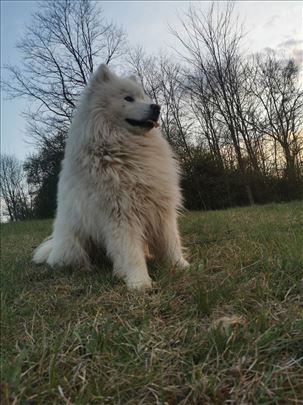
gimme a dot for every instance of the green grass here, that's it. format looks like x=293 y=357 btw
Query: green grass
x=229 y=330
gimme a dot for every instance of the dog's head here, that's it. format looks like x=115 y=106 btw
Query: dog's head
x=124 y=103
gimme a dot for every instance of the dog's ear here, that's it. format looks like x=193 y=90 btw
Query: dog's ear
x=133 y=78
x=103 y=73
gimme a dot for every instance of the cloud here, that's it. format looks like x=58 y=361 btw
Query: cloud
x=297 y=54
x=293 y=49
x=268 y=49
x=271 y=21
x=290 y=43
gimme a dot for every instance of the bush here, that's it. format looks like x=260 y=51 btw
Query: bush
x=208 y=185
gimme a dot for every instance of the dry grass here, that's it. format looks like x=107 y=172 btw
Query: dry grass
x=229 y=330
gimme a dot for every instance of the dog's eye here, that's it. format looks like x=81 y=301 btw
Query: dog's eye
x=130 y=99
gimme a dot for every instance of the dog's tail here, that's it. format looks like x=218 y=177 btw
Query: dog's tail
x=43 y=251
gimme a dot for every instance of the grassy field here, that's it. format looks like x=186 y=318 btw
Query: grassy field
x=229 y=330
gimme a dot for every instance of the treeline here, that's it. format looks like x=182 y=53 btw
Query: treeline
x=234 y=120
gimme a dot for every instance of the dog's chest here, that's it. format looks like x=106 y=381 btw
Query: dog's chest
x=141 y=172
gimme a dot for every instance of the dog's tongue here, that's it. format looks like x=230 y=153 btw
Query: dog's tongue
x=155 y=124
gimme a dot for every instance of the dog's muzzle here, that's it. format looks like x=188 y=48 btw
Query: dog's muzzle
x=151 y=121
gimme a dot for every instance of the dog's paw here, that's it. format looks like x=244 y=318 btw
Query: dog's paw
x=135 y=284
x=182 y=264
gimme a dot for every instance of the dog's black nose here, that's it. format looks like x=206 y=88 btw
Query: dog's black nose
x=155 y=108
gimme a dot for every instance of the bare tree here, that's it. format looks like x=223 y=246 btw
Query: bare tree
x=211 y=131
x=280 y=113
x=212 y=51
x=162 y=80
x=60 y=49
x=14 y=189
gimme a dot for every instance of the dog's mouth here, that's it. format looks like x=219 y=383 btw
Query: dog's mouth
x=149 y=124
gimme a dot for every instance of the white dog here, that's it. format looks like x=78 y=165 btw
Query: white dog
x=119 y=184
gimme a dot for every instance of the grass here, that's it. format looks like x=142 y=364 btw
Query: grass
x=229 y=330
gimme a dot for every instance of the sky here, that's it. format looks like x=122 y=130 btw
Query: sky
x=268 y=24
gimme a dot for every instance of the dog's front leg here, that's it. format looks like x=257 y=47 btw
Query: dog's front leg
x=126 y=251
x=172 y=243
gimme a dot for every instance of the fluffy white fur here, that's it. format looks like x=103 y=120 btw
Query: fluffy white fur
x=118 y=187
